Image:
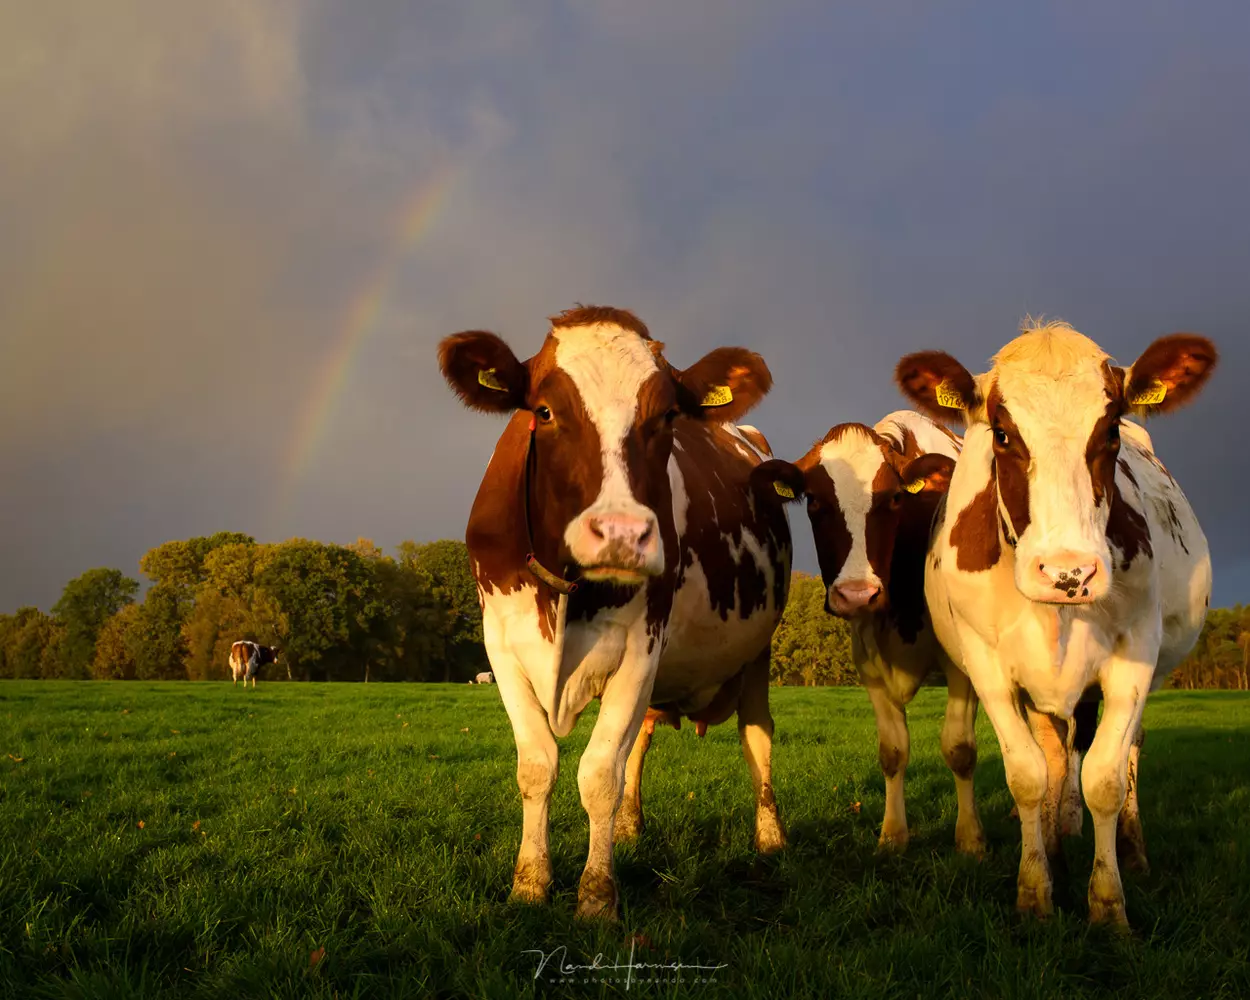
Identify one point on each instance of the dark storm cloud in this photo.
(190, 215)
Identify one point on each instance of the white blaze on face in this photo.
(853, 461)
(1052, 385)
(609, 367)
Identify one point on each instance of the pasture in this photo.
(333, 840)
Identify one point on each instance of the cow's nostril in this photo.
(595, 527)
(646, 535)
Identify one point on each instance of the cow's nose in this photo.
(853, 595)
(622, 529)
(1068, 573)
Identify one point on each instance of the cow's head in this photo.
(603, 400)
(1053, 403)
(859, 487)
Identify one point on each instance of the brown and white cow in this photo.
(619, 554)
(246, 659)
(871, 496)
(1066, 558)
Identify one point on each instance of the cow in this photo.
(246, 659)
(485, 677)
(1066, 558)
(619, 554)
(871, 496)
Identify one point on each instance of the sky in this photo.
(232, 234)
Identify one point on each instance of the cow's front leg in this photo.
(959, 750)
(1051, 734)
(1125, 684)
(536, 770)
(1026, 773)
(601, 773)
(1130, 838)
(755, 731)
(893, 753)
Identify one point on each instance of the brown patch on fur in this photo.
(1181, 361)
(962, 760)
(1011, 464)
(829, 530)
(975, 533)
(582, 315)
(1127, 530)
(891, 760)
(1128, 472)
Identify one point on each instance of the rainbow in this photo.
(360, 318)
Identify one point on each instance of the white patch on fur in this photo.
(609, 366)
(852, 462)
(930, 438)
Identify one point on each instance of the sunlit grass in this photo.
(350, 840)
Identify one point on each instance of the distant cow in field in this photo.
(246, 659)
(871, 495)
(1066, 558)
(485, 677)
(620, 554)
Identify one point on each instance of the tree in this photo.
(115, 645)
(810, 645)
(30, 643)
(87, 602)
(444, 566)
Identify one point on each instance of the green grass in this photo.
(365, 821)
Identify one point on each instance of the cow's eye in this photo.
(1113, 435)
(897, 499)
(813, 505)
(543, 413)
(1000, 437)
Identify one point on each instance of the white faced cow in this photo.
(871, 495)
(619, 554)
(1066, 558)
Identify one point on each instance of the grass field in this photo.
(352, 841)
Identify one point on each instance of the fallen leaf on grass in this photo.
(195, 826)
(175, 730)
(465, 729)
(369, 772)
(140, 824)
(105, 733)
(404, 726)
(855, 807)
(88, 794)
(16, 760)
(173, 753)
(690, 796)
(433, 756)
(315, 957)
(477, 836)
(125, 711)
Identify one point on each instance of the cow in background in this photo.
(246, 659)
(485, 677)
(619, 554)
(871, 495)
(1066, 557)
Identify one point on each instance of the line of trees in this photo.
(354, 613)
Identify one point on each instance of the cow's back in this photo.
(735, 557)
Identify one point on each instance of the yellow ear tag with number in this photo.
(947, 396)
(1151, 396)
(718, 395)
(915, 487)
(486, 377)
(783, 490)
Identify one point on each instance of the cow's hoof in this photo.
(596, 898)
(971, 842)
(530, 884)
(770, 837)
(1034, 900)
(628, 828)
(1109, 912)
(1130, 848)
(892, 841)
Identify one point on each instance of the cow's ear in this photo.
(928, 475)
(724, 385)
(939, 385)
(482, 370)
(1170, 373)
(776, 481)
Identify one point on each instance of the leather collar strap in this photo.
(552, 580)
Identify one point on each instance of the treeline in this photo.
(353, 613)
(337, 612)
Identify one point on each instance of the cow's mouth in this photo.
(623, 576)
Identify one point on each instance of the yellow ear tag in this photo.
(718, 395)
(783, 490)
(1150, 397)
(486, 376)
(915, 487)
(948, 397)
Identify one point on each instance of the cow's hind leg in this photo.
(959, 750)
(1051, 734)
(629, 821)
(1130, 839)
(755, 731)
(893, 753)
